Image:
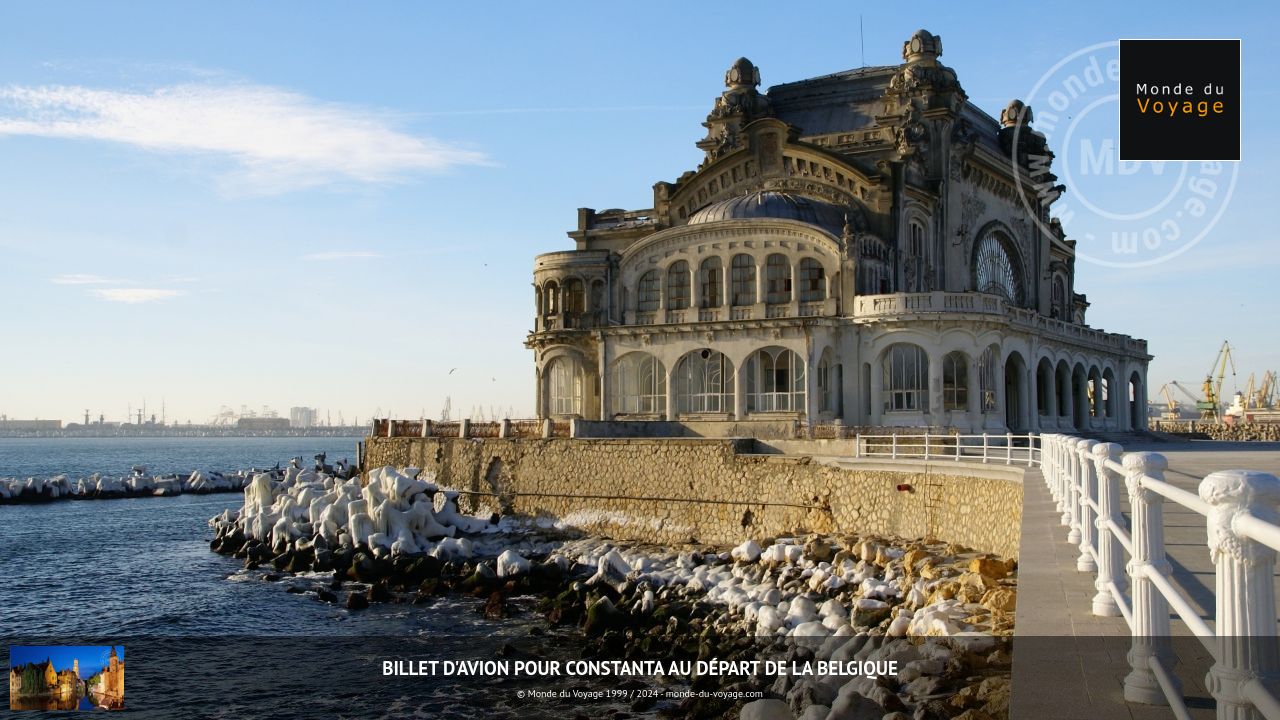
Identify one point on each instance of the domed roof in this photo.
(773, 204)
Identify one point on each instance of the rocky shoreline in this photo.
(942, 614)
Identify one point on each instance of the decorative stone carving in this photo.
(738, 105)
(1233, 493)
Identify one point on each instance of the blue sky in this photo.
(92, 657)
(333, 205)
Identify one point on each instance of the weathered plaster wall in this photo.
(711, 491)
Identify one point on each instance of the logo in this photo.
(1121, 212)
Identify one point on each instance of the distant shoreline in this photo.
(356, 431)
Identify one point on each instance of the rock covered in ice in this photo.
(511, 564)
(748, 551)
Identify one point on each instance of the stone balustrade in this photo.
(1242, 520)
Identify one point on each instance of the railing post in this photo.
(1109, 548)
(985, 446)
(1246, 595)
(1071, 511)
(1150, 608)
(893, 446)
(1031, 450)
(504, 428)
(958, 443)
(926, 444)
(426, 428)
(1008, 448)
(548, 428)
(1088, 500)
(857, 445)
(464, 427)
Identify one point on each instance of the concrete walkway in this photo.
(1069, 663)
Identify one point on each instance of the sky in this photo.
(92, 657)
(335, 205)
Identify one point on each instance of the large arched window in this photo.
(743, 287)
(995, 269)
(777, 276)
(678, 285)
(704, 383)
(955, 381)
(649, 293)
(565, 386)
(639, 385)
(813, 281)
(710, 283)
(775, 381)
(987, 365)
(913, 265)
(906, 378)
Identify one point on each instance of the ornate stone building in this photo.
(855, 246)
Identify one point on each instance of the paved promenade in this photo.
(1070, 663)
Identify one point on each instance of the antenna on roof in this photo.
(862, 38)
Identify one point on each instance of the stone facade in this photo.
(864, 246)
(674, 490)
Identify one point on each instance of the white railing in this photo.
(1243, 529)
(1008, 449)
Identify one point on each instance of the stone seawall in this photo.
(716, 491)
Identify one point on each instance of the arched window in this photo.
(777, 276)
(987, 363)
(704, 383)
(775, 381)
(566, 386)
(744, 280)
(552, 297)
(995, 270)
(678, 285)
(649, 293)
(913, 264)
(955, 381)
(813, 281)
(710, 283)
(906, 378)
(1058, 306)
(575, 297)
(639, 385)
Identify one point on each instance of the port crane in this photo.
(1211, 406)
(1262, 395)
(1171, 403)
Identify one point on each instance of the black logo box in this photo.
(1186, 69)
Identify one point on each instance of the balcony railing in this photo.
(898, 304)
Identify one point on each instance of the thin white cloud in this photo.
(133, 296)
(342, 255)
(278, 140)
(80, 279)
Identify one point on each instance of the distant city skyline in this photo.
(200, 203)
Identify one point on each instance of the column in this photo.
(810, 385)
(1110, 552)
(935, 388)
(1068, 400)
(1150, 608)
(877, 394)
(740, 391)
(1245, 597)
(1001, 410)
(1032, 398)
(974, 391)
(602, 362)
(672, 411)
